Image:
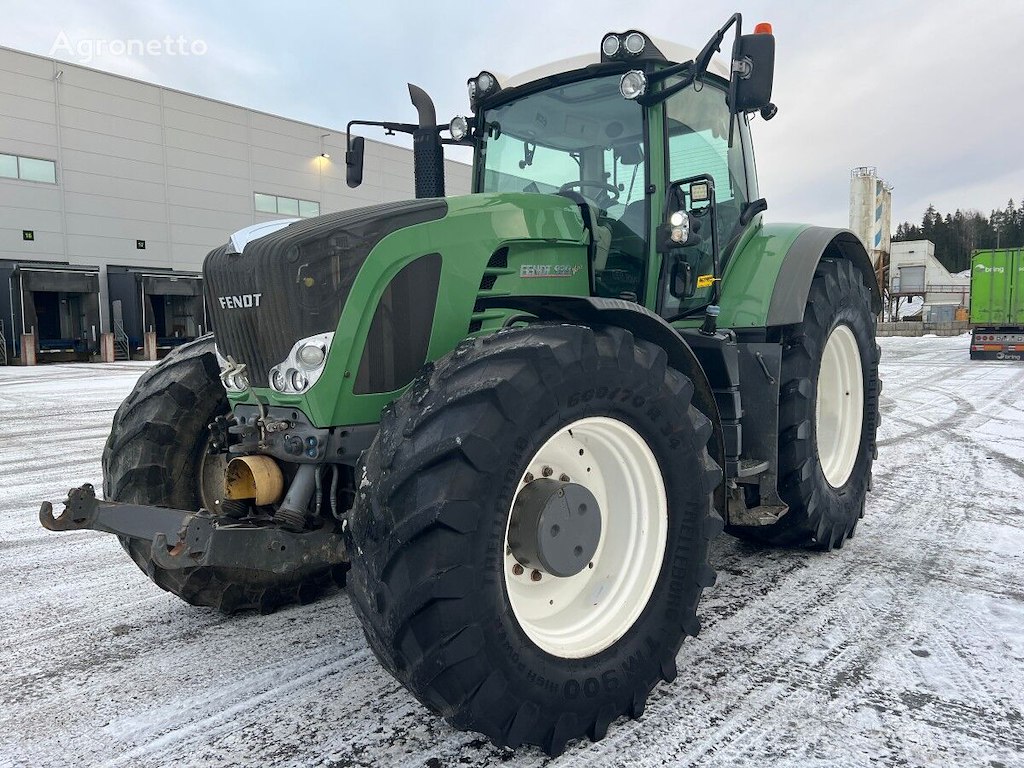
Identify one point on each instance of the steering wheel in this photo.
(608, 188)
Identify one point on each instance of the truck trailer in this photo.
(997, 304)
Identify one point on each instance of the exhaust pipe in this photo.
(427, 150)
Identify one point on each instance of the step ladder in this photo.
(122, 347)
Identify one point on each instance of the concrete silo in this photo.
(871, 215)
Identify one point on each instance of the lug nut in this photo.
(528, 478)
(517, 570)
(564, 477)
(535, 576)
(547, 471)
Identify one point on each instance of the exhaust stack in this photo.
(427, 151)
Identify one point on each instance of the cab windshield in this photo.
(581, 139)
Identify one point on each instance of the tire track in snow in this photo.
(805, 659)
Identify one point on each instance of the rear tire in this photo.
(431, 581)
(155, 455)
(826, 446)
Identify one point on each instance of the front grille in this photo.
(293, 283)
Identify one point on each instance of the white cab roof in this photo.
(673, 52)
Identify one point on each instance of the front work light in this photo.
(610, 45)
(480, 87)
(634, 43)
(458, 127)
(633, 84)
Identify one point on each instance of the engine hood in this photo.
(293, 282)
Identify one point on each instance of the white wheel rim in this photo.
(840, 406)
(578, 616)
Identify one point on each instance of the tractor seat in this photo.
(634, 218)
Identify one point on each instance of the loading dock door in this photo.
(63, 308)
(173, 308)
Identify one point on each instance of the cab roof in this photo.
(674, 52)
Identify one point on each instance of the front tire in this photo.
(157, 455)
(433, 580)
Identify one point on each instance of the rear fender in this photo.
(768, 278)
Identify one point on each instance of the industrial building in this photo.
(113, 190)
(916, 275)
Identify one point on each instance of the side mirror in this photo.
(354, 162)
(681, 283)
(755, 63)
(679, 231)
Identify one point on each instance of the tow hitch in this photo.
(182, 539)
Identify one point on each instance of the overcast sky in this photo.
(932, 93)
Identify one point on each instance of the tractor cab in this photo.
(633, 133)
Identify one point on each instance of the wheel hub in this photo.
(839, 410)
(581, 614)
(555, 526)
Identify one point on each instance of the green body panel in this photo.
(997, 287)
(546, 242)
(547, 254)
(750, 274)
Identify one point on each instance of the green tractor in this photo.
(515, 420)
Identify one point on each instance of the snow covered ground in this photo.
(905, 648)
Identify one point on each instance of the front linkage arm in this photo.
(199, 538)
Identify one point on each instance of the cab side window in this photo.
(698, 142)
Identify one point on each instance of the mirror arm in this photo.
(390, 127)
(650, 99)
(696, 68)
(664, 74)
(734, 76)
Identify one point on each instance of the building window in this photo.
(286, 206)
(28, 169)
(266, 203)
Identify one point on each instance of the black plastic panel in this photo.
(396, 346)
(293, 283)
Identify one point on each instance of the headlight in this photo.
(304, 365)
(311, 355)
(459, 127)
(297, 379)
(278, 380)
(633, 84)
(240, 381)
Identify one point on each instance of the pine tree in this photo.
(957, 235)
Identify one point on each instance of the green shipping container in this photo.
(997, 288)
